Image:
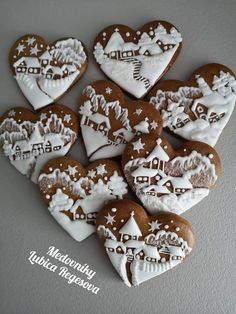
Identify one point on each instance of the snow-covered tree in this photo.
(100, 189)
(85, 110)
(117, 185)
(60, 201)
(99, 53)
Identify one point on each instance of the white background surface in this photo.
(206, 281)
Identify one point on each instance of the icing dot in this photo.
(166, 227)
(50, 111)
(172, 221)
(159, 43)
(165, 48)
(132, 157)
(75, 179)
(113, 209)
(163, 260)
(104, 34)
(114, 228)
(47, 196)
(210, 156)
(134, 38)
(122, 220)
(138, 32)
(14, 57)
(104, 38)
(77, 215)
(170, 46)
(63, 188)
(60, 165)
(147, 153)
(165, 147)
(49, 186)
(127, 34)
(71, 124)
(150, 27)
(61, 111)
(50, 168)
(177, 228)
(20, 112)
(185, 149)
(151, 33)
(19, 120)
(105, 178)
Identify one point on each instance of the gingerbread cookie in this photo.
(167, 179)
(199, 108)
(29, 140)
(137, 59)
(139, 246)
(75, 194)
(45, 72)
(108, 122)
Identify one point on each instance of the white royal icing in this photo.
(99, 138)
(45, 75)
(137, 67)
(91, 197)
(30, 145)
(145, 257)
(199, 113)
(171, 185)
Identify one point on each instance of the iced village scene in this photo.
(198, 113)
(136, 63)
(28, 145)
(77, 215)
(45, 72)
(176, 184)
(138, 257)
(99, 138)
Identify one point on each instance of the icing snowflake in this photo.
(138, 112)
(30, 41)
(110, 219)
(101, 169)
(108, 90)
(67, 118)
(34, 50)
(20, 48)
(11, 113)
(72, 170)
(154, 225)
(154, 125)
(91, 174)
(43, 116)
(138, 145)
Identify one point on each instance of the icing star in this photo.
(110, 219)
(154, 125)
(101, 169)
(34, 50)
(67, 118)
(108, 90)
(154, 225)
(30, 41)
(72, 170)
(11, 113)
(138, 112)
(20, 48)
(91, 174)
(43, 116)
(138, 145)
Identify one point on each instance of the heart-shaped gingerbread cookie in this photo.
(108, 122)
(168, 179)
(75, 194)
(139, 246)
(45, 72)
(29, 140)
(199, 108)
(136, 60)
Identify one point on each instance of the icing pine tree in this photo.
(117, 185)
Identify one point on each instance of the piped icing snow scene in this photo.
(108, 122)
(45, 72)
(141, 247)
(30, 140)
(200, 108)
(168, 179)
(75, 194)
(136, 60)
